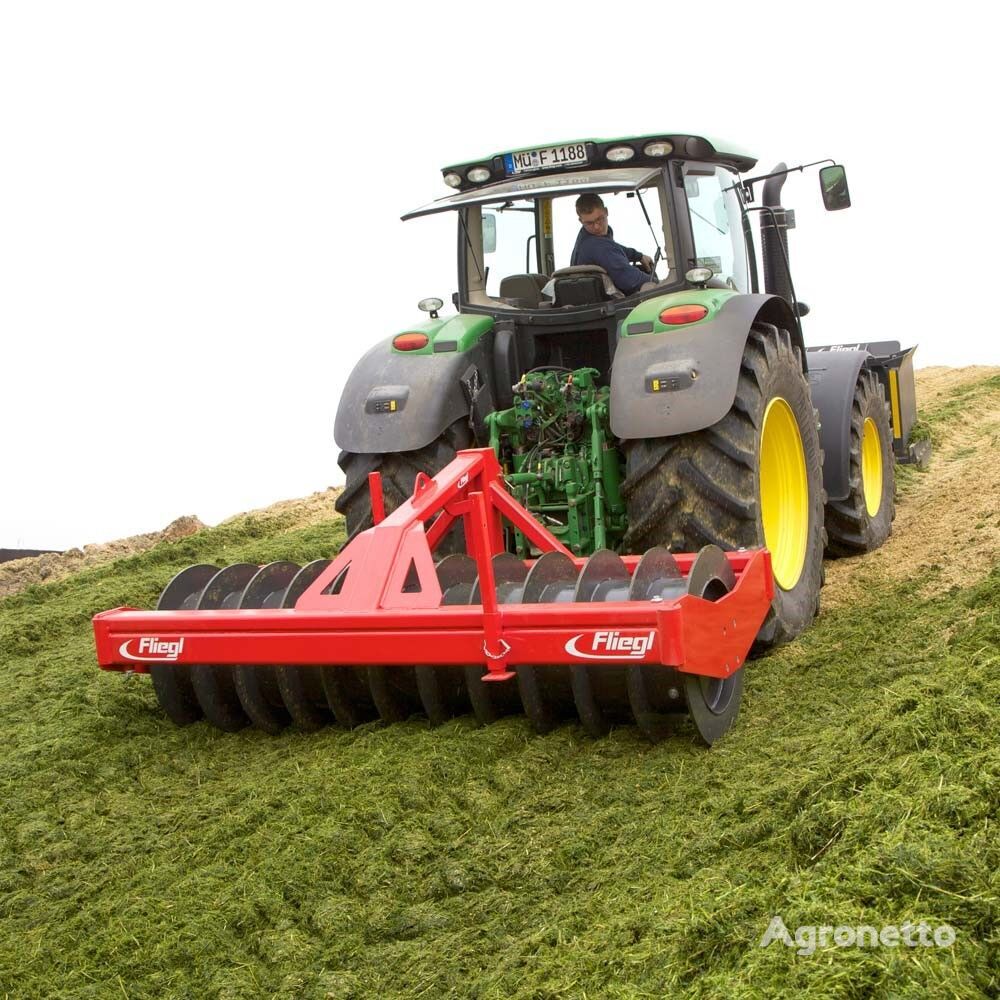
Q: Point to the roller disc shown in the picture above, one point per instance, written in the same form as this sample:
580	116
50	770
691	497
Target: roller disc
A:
712	702
394	691
491	700
656	693
442	689
257	686
213	683
318	691
599	691
545	691
300	687
173	687
347	695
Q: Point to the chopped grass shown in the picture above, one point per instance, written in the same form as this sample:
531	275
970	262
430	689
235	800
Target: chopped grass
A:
860	786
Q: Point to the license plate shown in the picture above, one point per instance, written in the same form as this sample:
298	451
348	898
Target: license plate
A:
547	158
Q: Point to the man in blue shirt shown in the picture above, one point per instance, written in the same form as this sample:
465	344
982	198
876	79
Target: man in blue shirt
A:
596	245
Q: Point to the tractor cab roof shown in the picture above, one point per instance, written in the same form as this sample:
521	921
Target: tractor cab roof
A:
587	154
617	179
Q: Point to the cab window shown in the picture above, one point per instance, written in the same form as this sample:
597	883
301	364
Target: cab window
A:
625	218
716	223
508	242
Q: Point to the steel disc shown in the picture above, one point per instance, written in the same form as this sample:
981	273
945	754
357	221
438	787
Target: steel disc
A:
711	574
492	699
442	688
213	683
656	693
394	691
599	692
713	702
546	692
300	687
172	684
257	686
318	691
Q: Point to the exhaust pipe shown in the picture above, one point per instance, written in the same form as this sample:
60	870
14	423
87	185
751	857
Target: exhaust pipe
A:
774	237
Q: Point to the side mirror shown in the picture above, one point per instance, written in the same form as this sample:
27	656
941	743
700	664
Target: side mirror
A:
833	185
489	232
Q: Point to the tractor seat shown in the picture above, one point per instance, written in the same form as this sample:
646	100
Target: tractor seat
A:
523	290
585	284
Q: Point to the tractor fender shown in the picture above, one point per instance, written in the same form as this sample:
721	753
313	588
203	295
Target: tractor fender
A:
684	380
401	402
833	377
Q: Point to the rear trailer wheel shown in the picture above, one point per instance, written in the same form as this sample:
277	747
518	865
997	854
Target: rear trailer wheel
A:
399	471
754	478
863	520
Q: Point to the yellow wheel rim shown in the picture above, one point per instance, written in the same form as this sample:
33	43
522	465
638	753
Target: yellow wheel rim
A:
871	466
784	493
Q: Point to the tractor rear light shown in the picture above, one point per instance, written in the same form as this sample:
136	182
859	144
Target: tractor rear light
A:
453	180
410	341
619	154
478	175
658	148
679	315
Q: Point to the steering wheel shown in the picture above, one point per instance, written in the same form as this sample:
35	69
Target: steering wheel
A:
651	273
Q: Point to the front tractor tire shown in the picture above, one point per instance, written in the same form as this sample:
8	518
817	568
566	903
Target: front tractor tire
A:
399	471
863	521
755	478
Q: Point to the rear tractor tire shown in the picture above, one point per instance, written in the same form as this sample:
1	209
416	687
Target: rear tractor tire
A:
863	520
755	478
399	471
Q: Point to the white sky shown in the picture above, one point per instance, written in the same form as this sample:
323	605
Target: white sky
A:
199	207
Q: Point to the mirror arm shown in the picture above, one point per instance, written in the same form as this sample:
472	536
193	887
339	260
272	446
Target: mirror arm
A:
747	183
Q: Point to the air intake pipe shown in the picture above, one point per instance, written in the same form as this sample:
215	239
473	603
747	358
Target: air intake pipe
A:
774	237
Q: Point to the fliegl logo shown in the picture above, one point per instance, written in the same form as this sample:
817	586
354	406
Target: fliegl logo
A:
610	645
150	649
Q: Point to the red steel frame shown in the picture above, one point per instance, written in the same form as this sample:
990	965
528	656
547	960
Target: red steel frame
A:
365	609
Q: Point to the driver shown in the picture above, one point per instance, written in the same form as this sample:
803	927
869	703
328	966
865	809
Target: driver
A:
596	245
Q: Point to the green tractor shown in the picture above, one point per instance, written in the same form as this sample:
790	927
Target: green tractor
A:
686	412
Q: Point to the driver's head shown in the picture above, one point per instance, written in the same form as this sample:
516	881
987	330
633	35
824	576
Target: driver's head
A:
592	214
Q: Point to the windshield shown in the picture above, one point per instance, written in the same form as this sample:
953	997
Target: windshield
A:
523	241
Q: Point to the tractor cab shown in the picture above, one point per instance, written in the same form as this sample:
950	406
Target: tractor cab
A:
517	224
674	200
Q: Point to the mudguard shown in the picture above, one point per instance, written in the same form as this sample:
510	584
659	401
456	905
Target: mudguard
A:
833	375
400	402
684	379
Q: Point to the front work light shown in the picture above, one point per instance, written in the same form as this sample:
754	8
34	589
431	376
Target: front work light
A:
431	306
619	154
453	180
478	174
658	148
699	275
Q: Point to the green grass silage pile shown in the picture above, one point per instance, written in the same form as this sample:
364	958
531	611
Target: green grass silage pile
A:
860	786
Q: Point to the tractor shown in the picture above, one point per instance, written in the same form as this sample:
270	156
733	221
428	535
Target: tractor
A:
583	491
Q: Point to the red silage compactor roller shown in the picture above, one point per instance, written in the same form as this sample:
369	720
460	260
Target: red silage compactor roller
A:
382	631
